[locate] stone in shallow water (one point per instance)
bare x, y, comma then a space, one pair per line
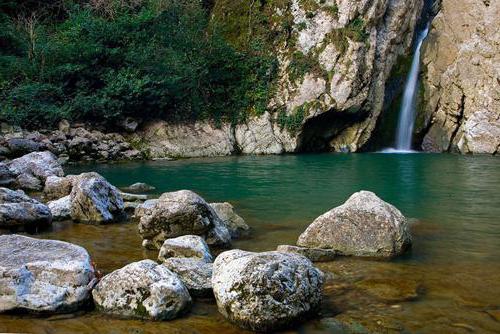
94, 200
142, 290
191, 246
43, 275
233, 222
194, 273
364, 225
181, 213
313, 254
266, 291
139, 188
18, 209
392, 290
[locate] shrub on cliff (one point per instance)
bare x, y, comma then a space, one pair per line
101, 61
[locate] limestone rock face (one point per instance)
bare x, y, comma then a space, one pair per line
181, 213
142, 290
33, 169
17, 209
195, 140
364, 225
461, 77
43, 275
334, 59
234, 223
94, 200
189, 246
265, 291
194, 273
60, 208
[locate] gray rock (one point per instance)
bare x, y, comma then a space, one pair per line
128, 124
133, 197
33, 169
139, 188
191, 246
43, 275
95, 201
194, 273
364, 225
181, 213
142, 290
265, 291
21, 146
17, 209
313, 254
145, 207
61, 208
57, 187
7, 177
234, 223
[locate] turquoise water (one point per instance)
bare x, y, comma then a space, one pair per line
448, 283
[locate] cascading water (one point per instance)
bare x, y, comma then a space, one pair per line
407, 111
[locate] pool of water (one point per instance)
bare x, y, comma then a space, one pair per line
448, 283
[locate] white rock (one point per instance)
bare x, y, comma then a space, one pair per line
191, 246
143, 290
195, 274
265, 291
43, 275
61, 208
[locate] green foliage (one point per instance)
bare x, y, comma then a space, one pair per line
128, 58
292, 122
354, 31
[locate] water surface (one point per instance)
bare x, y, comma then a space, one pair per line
448, 283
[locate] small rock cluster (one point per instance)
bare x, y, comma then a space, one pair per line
67, 143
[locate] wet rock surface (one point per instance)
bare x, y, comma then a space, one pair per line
142, 290
265, 291
43, 276
364, 225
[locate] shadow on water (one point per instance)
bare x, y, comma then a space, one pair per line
448, 283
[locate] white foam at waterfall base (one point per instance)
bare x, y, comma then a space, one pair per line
407, 112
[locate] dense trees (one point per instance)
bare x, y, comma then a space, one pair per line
101, 60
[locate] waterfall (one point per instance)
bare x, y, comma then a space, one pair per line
407, 112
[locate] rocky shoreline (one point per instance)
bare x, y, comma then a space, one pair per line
257, 291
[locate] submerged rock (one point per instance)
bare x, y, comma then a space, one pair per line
364, 225
43, 275
142, 290
181, 213
234, 223
139, 188
196, 274
61, 208
95, 201
17, 209
33, 169
191, 246
313, 254
265, 291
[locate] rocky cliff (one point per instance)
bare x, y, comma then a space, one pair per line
334, 58
461, 79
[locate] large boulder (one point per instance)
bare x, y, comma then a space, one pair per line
364, 225
265, 291
196, 274
143, 290
144, 208
17, 209
192, 246
32, 170
181, 213
95, 201
57, 186
43, 275
233, 222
